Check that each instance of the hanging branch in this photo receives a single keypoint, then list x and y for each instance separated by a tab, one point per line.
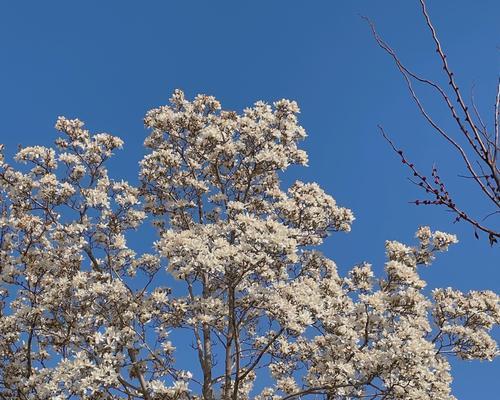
479	149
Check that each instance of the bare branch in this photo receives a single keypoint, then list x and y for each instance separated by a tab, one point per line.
481	147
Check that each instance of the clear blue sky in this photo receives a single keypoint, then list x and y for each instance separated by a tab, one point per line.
108	62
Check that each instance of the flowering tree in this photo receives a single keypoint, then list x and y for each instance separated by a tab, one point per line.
85	316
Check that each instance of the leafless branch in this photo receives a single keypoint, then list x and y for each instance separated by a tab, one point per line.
480	149
436	188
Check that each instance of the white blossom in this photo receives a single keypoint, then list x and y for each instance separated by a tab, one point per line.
85	315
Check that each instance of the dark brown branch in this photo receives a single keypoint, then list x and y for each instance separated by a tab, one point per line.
481	146
442	196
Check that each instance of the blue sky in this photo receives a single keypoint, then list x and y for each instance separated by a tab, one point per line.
107	63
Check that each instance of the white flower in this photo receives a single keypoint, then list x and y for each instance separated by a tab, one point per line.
84	316
442	240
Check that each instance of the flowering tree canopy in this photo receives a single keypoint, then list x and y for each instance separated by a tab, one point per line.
84	316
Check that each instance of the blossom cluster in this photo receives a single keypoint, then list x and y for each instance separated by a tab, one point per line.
84	315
